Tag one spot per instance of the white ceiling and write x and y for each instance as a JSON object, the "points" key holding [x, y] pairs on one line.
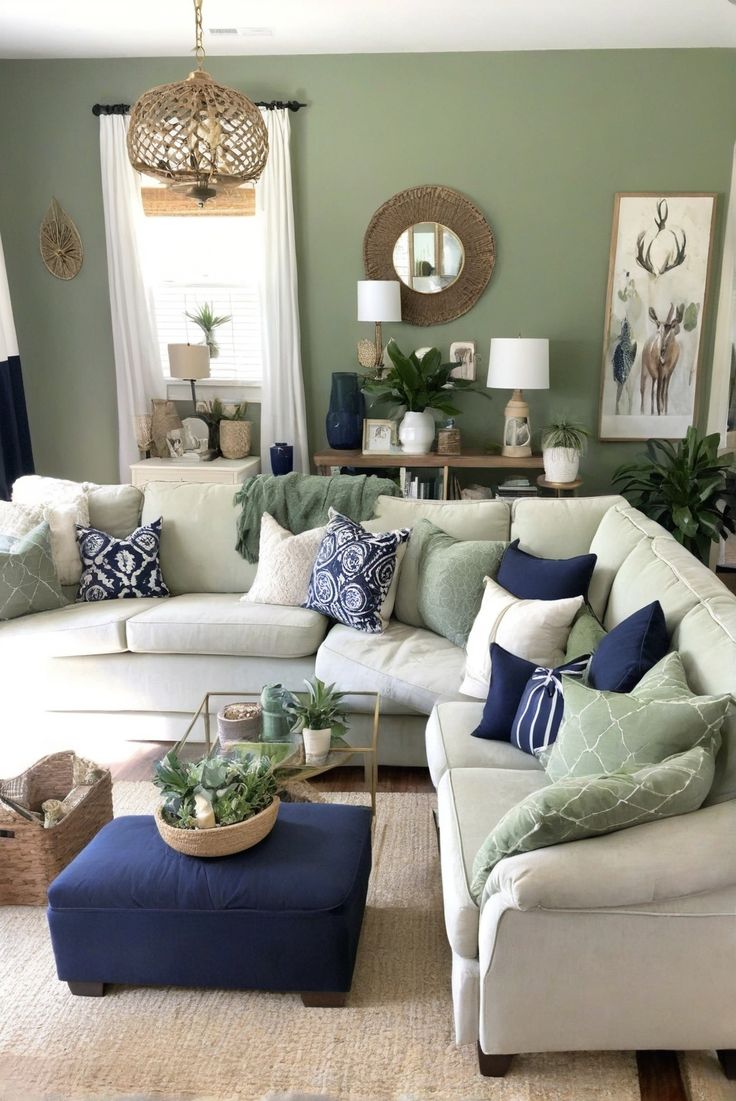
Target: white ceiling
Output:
{"points": [[154, 28]]}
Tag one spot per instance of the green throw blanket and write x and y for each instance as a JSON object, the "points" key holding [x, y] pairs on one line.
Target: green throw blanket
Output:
{"points": [[301, 501]]}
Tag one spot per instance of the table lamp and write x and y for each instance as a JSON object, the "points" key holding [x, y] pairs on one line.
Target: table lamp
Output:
{"points": [[378, 300], [189, 362], [518, 363]]}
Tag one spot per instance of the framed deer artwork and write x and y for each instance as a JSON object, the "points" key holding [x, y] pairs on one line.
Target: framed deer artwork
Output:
{"points": [[657, 290]]}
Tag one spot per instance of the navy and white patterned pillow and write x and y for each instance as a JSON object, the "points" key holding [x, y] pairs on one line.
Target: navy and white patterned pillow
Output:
{"points": [[539, 713], [120, 569], [353, 572]]}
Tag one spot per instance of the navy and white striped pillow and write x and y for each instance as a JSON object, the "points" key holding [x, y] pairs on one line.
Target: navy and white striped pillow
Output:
{"points": [[539, 713]]}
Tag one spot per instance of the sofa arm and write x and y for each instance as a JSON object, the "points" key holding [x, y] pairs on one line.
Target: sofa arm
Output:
{"points": [[685, 855]]}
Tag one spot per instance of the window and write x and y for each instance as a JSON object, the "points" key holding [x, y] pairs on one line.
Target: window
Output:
{"points": [[196, 258]]}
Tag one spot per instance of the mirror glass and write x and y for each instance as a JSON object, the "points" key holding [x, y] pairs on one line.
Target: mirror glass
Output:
{"points": [[428, 257]]}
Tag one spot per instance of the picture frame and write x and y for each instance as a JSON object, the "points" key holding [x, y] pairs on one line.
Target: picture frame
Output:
{"points": [[463, 352], [380, 437], [656, 303]]}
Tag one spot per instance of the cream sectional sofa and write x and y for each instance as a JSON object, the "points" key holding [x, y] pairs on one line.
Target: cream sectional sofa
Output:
{"points": [[626, 941]]}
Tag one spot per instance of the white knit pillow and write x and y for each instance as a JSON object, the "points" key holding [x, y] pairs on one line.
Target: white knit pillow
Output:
{"points": [[64, 505], [533, 629], [285, 564], [17, 520]]}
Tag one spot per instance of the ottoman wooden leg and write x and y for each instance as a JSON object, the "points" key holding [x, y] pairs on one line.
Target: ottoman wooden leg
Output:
{"points": [[728, 1062], [493, 1066], [324, 999], [87, 989]]}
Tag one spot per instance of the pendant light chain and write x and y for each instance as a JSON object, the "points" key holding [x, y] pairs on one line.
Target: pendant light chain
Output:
{"points": [[198, 48]]}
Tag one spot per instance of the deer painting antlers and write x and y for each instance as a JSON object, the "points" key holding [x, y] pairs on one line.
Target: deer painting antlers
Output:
{"points": [[668, 244], [659, 358]]}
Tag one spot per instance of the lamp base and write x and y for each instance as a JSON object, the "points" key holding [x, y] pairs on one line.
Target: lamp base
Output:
{"points": [[517, 433]]}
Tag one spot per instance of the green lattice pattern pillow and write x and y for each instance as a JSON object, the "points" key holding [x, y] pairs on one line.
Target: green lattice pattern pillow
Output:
{"points": [[603, 732], [587, 806], [28, 581]]}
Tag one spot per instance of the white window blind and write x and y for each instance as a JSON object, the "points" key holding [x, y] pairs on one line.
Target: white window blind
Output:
{"points": [[239, 340]]}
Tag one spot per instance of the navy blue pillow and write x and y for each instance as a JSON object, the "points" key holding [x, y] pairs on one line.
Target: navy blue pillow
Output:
{"points": [[531, 578], [509, 678], [629, 650], [539, 713], [120, 569]]}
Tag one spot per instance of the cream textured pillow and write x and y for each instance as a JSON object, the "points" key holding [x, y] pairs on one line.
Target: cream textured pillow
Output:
{"points": [[17, 520], [285, 564], [64, 506], [533, 629]]}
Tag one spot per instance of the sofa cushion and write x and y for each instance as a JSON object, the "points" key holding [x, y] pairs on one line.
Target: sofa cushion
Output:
{"points": [[64, 504], [450, 744], [589, 806], [220, 623], [621, 529], [470, 802], [660, 568], [114, 509], [609, 731], [120, 569], [585, 635], [559, 527], [198, 537], [406, 664], [285, 564], [77, 630], [629, 650], [541, 707], [533, 578], [460, 519], [706, 642]]}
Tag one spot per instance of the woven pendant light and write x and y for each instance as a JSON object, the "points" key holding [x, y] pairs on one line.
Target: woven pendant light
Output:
{"points": [[197, 133]]}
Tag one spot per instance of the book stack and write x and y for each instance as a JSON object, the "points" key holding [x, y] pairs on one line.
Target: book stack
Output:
{"points": [[514, 488], [422, 486]]}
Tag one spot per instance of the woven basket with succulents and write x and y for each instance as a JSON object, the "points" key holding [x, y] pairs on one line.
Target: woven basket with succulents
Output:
{"points": [[216, 806]]}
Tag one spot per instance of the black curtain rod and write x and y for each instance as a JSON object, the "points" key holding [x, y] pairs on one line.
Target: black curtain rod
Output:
{"points": [[271, 105]]}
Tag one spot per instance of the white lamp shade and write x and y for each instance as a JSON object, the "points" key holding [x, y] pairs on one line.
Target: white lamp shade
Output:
{"points": [[379, 300], [518, 363], [189, 361]]}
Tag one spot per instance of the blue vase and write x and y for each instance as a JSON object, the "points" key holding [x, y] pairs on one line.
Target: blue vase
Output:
{"points": [[282, 458], [344, 420]]}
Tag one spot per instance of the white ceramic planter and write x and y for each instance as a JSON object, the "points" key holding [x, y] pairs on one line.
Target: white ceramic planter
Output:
{"points": [[561, 464], [416, 433], [316, 745]]}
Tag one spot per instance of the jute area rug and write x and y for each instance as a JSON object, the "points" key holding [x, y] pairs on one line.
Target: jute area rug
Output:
{"points": [[394, 1040]]}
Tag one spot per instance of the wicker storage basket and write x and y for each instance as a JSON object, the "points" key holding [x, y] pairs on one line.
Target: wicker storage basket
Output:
{"points": [[31, 856], [220, 840]]}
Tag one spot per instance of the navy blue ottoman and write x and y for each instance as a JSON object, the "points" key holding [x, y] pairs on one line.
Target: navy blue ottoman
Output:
{"points": [[284, 915]]}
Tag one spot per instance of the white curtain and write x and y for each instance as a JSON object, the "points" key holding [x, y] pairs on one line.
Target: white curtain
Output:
{"points": [[283, 416], [725, 322], [137, 365]]}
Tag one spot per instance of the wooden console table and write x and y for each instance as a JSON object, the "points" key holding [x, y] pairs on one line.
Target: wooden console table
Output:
{"points": [[329, 462]]}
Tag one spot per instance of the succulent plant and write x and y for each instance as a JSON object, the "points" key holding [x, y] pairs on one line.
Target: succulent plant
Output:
{"points": [[237, 786]]}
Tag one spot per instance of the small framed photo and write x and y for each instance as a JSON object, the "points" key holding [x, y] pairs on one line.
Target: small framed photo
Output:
{"points": [[380, 437], [462, 352]]}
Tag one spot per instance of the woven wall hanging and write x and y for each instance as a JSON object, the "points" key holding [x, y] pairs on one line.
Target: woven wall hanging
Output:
{"points": [[60, 243]]}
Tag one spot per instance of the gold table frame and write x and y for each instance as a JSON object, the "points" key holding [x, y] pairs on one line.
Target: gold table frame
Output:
{"points": [[340, 753]]}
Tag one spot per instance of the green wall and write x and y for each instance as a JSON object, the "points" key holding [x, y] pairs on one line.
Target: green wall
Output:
{"points": [[540, 141]]}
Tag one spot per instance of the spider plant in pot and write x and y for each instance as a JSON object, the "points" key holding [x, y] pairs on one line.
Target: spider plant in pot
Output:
{"points": [[319, 717], [686, 487], [417, 384], [563, 442]]}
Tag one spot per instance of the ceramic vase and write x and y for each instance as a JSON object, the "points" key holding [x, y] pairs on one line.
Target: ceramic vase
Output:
{"points": [[316, 745], [344, 420], [416, 433], [275, 722], [282, 458], [560, 464], [234, 439]]}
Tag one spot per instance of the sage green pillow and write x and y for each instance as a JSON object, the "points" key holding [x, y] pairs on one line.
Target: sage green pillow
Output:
{"points": [[585, 635], [586, 806], [450, 578], [603, 732], [28, 581]]}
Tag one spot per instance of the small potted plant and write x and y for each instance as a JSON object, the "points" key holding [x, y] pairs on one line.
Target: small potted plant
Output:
{"points": [[230, 431], [216, 806], [319, 717], [207, 320], [563, 442]]}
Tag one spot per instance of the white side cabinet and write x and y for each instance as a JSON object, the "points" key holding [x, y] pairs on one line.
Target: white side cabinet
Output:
{"points": [[230, 472]]}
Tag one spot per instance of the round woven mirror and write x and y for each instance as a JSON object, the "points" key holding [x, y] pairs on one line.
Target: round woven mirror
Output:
{"points": [[421, 219]]}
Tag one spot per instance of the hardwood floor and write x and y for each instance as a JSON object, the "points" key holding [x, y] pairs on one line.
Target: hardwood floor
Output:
{"points": [[659, 1072]]}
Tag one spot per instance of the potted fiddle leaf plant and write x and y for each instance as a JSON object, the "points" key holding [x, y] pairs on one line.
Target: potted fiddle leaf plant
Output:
{"points": [[319, 717], [563, 442], [686, 487], [417, 384]]}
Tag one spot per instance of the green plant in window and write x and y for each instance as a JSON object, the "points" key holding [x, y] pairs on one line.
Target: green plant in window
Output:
{"points": [[206, 318]]}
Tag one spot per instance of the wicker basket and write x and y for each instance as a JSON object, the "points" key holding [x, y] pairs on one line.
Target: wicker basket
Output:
{"points": [[31, 856], [221, 840], [234, 439]]}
